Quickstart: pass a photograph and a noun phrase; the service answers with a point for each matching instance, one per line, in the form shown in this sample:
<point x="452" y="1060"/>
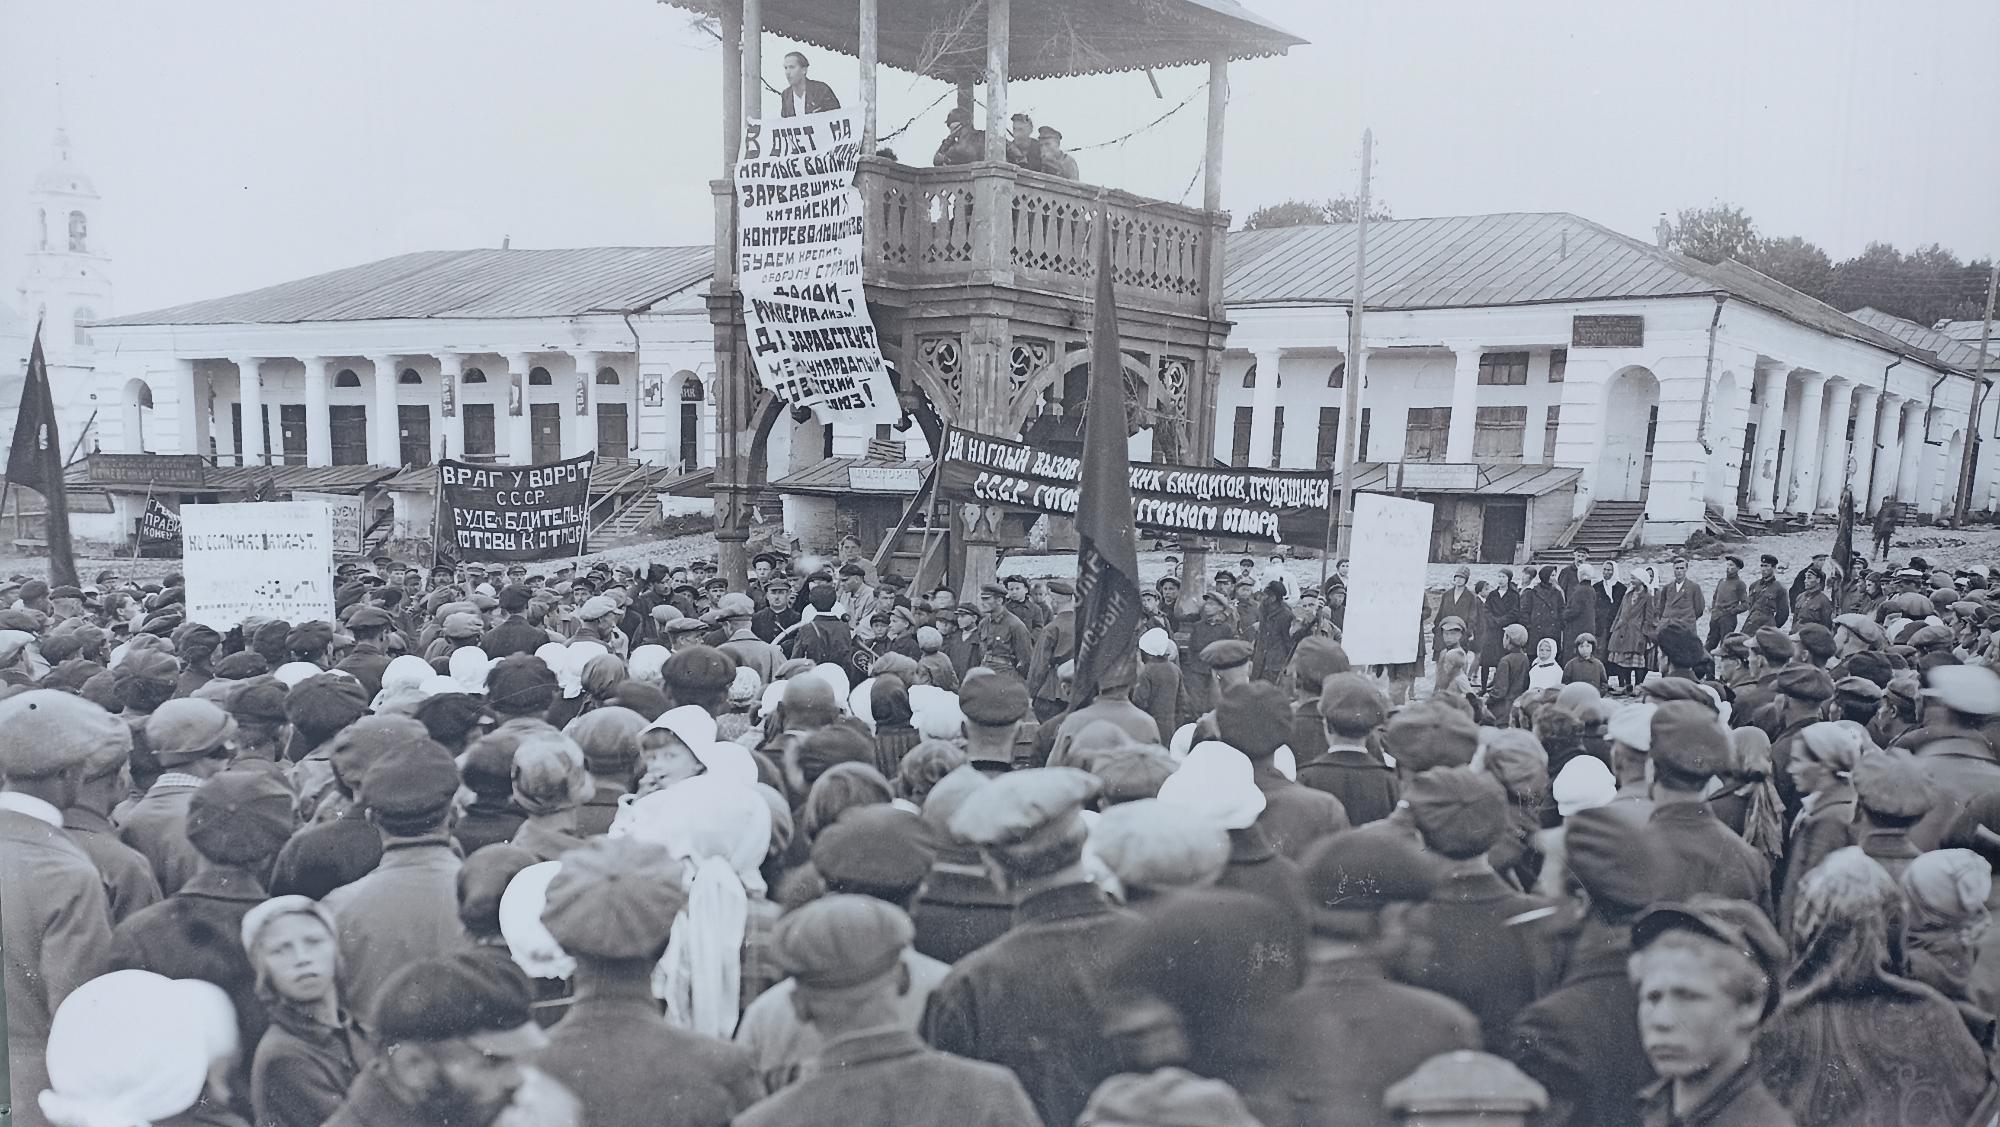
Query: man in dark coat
<point x="804" y="94"/>
<point x="1581" y="1040"/>
<point x="1004" y="641"/>
<point x="191" y="739"/>
<point x="611" y="908"/>
<point x="1766" y="603"/>
<point x="514" y="635"/>
<point x="1254" y="720"/>
<point x="1351" y="708"/>
<point x="1036" y="999"/>
<point x="1697" y="852"/>
<point x="128" y="877"/>
<point x="959" y="910"/>
<point x="1732" y="598"/>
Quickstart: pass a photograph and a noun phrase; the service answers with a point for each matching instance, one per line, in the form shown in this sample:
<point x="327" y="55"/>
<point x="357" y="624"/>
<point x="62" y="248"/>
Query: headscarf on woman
<point x="1763" y="813"/>
<point x="1947" y="891"/>
<point x="720" y="831"/>
<point x="1904" y="1051"/>
<point x="132" y="1047"/>
<point x="469" y="666"/>
<point x="403" y="685"/>
<point x="602" y="675"/>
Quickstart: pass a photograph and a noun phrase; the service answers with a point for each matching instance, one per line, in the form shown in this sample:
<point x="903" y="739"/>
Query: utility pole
<point x="1357" y="359"/>
<point x="1979" y="389"/>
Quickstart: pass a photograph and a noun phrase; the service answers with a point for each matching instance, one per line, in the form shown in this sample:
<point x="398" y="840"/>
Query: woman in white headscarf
<point x="720" y="830"/>
<point x="135" y="1049"/>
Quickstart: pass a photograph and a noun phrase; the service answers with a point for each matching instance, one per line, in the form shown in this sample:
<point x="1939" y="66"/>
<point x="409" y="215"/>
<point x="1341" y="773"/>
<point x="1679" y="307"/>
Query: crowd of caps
<point x="611" y="846"/>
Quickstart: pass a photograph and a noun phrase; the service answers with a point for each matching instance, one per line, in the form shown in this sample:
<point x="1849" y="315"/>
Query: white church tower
<point x="66" y="286"/>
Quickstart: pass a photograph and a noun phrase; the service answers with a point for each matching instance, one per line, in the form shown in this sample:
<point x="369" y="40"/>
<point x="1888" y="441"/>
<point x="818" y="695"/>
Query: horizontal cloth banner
<point x="488" y="513"/>
<point x="1279" y="506"/>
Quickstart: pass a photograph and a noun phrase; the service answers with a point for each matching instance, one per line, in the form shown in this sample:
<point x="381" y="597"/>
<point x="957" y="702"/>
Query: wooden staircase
<point x="630" y="517"/>
<point x="1603" y="533"/>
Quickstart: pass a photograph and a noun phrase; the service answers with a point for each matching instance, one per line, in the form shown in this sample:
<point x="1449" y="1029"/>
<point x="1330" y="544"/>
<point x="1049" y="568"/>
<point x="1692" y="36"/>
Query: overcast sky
<point x="241" y="143"/>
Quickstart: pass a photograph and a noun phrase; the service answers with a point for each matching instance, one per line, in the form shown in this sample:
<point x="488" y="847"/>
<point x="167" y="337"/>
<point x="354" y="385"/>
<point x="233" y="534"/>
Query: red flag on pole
<point x="36" y="461"/>
<point x="1107" y="565"/>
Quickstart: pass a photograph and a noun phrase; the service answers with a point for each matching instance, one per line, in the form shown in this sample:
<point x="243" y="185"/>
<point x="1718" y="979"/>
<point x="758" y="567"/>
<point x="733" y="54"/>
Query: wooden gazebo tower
<point x="980" y="277"/>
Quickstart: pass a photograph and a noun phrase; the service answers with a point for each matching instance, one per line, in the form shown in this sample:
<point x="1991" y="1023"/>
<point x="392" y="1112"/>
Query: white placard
<point x="1385" y="579"/>
<point x="270" y="559"/>
<point x="346" y="511"/>
<point x="885" y="479"/>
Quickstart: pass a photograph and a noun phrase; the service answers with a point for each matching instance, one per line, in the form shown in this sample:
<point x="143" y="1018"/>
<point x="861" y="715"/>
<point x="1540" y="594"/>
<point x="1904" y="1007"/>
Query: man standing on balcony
<point x="962" y="143"/>
<point x="802" y="94"/>
<point x="1022" y="148"/>
<point x="1055" y="162"/>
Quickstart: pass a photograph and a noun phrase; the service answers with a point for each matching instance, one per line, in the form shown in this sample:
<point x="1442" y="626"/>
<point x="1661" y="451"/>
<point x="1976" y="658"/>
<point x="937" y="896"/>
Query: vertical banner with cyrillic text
<point x="799" y="237"/>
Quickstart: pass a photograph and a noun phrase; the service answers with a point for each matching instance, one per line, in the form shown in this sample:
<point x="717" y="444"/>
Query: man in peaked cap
<point x="1032" y="1000"/>
<point x="1055" y="643"/>
<point x="845" y="955"/>
<point x="1766" y="603"/>
<point x="1689" y="746"/>
<point x="1255" y="719"/>
<point x="1004" y="642"/>
<point x="1955" y="752"/>
<point x="1113" y="705"/>
<point x="56" y="924"/>
<point x="611" y="907"/>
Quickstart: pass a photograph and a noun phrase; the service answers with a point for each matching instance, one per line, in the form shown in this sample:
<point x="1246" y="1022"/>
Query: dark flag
<point x="1840" y="582"/>
<point x="1107" y="563"/>
<point x="36" y="462"/>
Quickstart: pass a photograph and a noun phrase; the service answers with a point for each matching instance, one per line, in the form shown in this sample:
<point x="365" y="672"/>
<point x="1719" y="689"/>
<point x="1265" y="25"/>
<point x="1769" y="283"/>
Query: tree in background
<point x="1713" y="233"/>
<point x="1793" y="261"/>
<point x="1308" y="213"/>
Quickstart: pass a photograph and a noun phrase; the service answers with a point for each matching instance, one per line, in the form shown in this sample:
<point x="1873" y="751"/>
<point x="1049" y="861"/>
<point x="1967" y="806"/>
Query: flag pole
<point x="139" y="539"/>
<point x="1357" y="363"/>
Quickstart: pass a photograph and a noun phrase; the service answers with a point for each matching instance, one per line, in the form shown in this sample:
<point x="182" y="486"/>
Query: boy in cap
<point x="190" y="740"/>
<point x="611" y="908"/>
<point x="1034" y="999"/>
<point x="1707" y="973"/>
<point x="1350" y="709"/>
<point x="56" y="924"/>
<point x="845" y="956"/>
<point x="455" y="1034"/>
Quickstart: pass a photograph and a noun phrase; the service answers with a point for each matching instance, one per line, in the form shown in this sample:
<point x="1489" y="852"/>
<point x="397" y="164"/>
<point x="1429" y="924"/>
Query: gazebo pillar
<point x="870" y="27"/>
<point x="1199" y="443"/>
<point x="732" y="86"/>
<point x="998" y="14"/>
<point x="753" y="60"/>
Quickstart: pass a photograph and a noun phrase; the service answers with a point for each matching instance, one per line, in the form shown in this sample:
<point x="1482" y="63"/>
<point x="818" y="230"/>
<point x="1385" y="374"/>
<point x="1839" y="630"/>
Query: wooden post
<point x="1211" y="164"/>
<point x="870" y="25"/>
<point x="732" y="86"/>
<point x="1465" y="1089"/>
<point x="998" y="13"/>
<point x="1357" y="357"/>
<point x="1208" y="372"/>
<point x="753" y="60"/>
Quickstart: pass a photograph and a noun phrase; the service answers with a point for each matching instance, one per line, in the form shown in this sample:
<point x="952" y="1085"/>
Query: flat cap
<point x="241" y="816"/>
<point x="1929" y="636"/>
<point x="1254" y="718"/>
<point x="259" y="698"/>
<point x="462" y="624"/>
<point x="1131" y="773"/>
<point x="368" y="616"/>
<point x="1972" y="689"/>
<point x="477" y="995"/>
<point x="1459" y="811"/>
<point x="1451" y="622"/>
<point x="1773" y="643"/>
<point x="735" y="605"/>
<point x="146" y="665"/>
<point x="521" y="683"/>
<point x="1351" y="872"/>
<point x="1425" y="736"/>
<point x="1025" y="805"/>
<point x="876" y="848"/>
<point x="309" y="636"/>
<point x="1893" y="784"/>
<point x="241" y="666"/>
<point x="1860" y="688"/>
<point x="1350" y="702"/>
<point x="322" y="704"/>
<point x="841" y="940"/>
<point x="1614" y="856"/>
<point x="1864" y="627"/>
<point x="993" y="699"/>
<point x="614" y="898"/>
<point x="700" y="669"/>
<point x="596" y="607"/>
<point x="184" y="730"/>
<point x="1736" y="646"/>
<point x="44" y="732"/>
<point x="1150" y="844"/>
<point x="1228" y="653"/>
<point x="1738" y="924"/>
<point x="418" y="781"/>
<point x="1690" y="738"/>
<point x="1803" y="682"/>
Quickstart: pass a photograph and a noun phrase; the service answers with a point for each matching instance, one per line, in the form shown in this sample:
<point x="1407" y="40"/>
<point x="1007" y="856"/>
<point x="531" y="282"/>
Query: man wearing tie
<point x="803" y="95"/>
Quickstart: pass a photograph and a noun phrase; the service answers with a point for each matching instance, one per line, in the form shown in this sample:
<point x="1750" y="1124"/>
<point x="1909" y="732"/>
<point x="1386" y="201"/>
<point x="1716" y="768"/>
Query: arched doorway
<point x="689" y="402"/>
<point x="1631" y="412"/>
<point x="136" y="407"/>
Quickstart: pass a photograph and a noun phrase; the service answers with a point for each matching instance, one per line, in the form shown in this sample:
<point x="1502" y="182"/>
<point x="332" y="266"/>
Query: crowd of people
<point x="540" y="844"/>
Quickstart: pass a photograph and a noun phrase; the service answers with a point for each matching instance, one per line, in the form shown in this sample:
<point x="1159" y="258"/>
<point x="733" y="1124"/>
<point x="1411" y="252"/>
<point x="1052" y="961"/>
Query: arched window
<point x="137" y="402"/>
<point x="83" y="317"/>
<point x="539" y="377"/>
<point x="473" y="375"/>
<point x="410" y="376"/>
<point x="691" y="390"/>
<point x="346" y="378"/>
<point x="607" y="377"/>
<point x="1338" y="378"/>
<point x="1250" y="376"/>
<point x="79" y="231"/>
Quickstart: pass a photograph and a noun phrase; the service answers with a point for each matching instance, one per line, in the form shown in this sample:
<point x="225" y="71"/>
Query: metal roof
<point x="1047" y="38"/>
<point x="459" y="283"/>
<point x="1949" y="349"/>
<point x="240" y="479"/>
<point x="828" y="476"/>
<point x="1494" y="480"/>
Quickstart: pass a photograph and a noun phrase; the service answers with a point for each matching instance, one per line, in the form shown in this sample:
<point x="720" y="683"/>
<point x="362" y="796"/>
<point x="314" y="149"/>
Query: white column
<point x="1770" y="423"/>
<point x="384" y="447"/>
<point x="450" y="438"/>
<point x="1675" y="497"/>
<point x="187" y="401"/>
<point x="1833" y="442"/>
<point x="1804" y="489"/>
<point x="1889" y="455"/>
<point x="250" y="383"/>
<point x="319" y="429"/>
<point x="215" y="418"/>
<point x="1464" y="403"/>
<point x="582" y="428"/>
<point x="520" y="449"/>
<point x="1911" y="438"/>
<point x="1868" y="401"/>
<point x="1263" y="408"/>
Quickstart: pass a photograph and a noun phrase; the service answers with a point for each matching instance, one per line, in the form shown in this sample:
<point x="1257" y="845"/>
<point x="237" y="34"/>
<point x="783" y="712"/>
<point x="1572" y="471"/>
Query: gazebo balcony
<point x="999" y="225"/>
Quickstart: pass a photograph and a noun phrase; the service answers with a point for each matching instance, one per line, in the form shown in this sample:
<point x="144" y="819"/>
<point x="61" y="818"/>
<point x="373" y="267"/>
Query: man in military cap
<point x="1706" y="972"/>
<point x="1766" y="603"/>
<point x="1055" y="643"/>
<point x="514" y="634"/>
<point x="1004" y="642"/>
<point x="845" y="955"/>
<point x="1953" y="750"/>
<point x="777" y="614"/>
<point x="738" y="613"/>
<point x="190" y="740"/>
<point x="56" y="924"/>
<point x="611" y="908"/>
<point x="1035" y="1000"/>
<point x="1689" y="746"/>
